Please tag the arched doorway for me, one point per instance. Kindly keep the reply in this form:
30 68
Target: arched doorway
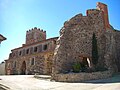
23 68
85 61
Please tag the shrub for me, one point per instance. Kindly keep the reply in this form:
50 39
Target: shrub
76 67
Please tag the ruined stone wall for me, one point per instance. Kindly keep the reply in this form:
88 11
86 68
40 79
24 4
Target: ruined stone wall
110 50
117 46
76 40
81 77
104 9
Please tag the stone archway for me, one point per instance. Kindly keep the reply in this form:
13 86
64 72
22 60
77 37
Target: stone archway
23 68
86 62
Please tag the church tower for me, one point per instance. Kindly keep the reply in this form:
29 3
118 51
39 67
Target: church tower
35 35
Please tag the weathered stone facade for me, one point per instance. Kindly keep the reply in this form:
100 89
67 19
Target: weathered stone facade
77 77
75 41
2 68
33 57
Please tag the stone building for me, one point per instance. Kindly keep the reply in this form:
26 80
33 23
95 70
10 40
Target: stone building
2 65
2 38
2 68
75 42
35 56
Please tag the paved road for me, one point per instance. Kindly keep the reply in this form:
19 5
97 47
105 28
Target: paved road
28 82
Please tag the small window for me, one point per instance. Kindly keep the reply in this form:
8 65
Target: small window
55 42
27 51
14 65
20 53
45 47
33 61
35 49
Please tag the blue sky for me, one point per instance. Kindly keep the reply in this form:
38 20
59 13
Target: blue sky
18 16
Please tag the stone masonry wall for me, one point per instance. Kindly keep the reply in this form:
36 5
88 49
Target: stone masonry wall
31 59
40 65
117 46
80 77
76 40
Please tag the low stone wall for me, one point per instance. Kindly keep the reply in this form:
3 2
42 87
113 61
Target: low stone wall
80 77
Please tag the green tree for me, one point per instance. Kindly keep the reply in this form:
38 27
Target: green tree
94 50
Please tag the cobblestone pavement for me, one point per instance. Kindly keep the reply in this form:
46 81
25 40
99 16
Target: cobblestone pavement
28 82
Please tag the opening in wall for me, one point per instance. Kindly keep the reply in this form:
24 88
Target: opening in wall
20 53
32 61
45 47
35 49
14 65
27 51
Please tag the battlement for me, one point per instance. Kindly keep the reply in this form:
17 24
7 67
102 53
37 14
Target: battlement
92 11
35 35
35 29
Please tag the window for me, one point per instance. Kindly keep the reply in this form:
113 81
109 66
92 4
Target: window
55 42
27 51
35 49
45 47
33 61
40 48
20 53
14 65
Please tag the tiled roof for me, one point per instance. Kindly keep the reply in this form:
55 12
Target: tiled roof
24 45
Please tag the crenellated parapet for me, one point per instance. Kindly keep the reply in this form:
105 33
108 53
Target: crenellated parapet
92 12
36 29
35 35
